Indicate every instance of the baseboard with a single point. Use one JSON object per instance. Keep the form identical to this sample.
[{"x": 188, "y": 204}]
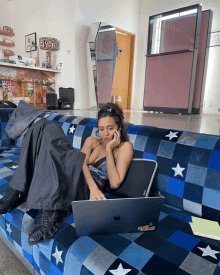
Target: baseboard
[
  {"x": 167, "y": 110},
  {"x": 21, "y": 259}
]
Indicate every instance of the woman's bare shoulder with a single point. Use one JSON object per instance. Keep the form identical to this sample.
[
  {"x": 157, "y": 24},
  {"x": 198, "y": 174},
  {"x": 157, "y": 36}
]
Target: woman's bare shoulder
[
  {"x": 93, "y": 141},
  {"x": 131, "y": 144},
  {"x": 127, "y": 144},
  {"x": 126, "y": 147}
]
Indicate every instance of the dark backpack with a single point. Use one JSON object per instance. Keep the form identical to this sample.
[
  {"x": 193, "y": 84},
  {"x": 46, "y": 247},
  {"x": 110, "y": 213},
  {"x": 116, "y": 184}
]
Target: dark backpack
[{"x": 7, "y": 104}]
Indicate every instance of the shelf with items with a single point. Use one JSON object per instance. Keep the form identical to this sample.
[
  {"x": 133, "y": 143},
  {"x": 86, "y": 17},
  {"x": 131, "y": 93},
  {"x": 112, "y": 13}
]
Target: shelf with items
[
  {"x": 7, "y": 44},
  {"x": 7, "y": 33},
  {"x": 28, "y": 84},
  {"x": 9, "y": 54},
  {"x": 28, "y": 67}
]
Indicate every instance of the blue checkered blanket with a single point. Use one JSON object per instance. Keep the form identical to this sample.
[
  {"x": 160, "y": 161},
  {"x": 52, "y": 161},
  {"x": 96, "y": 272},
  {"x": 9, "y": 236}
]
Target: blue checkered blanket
[{"x": 188, "y": 178}]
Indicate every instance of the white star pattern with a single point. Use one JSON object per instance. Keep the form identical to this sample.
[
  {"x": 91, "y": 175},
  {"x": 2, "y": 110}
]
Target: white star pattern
[
  {"x": 72, "y": 129},
  {"x": 178, "y": 170},
  {"x": 57, "y": 255},
  {"x": 120, "y": 271},
  {"x": 14, "y": 166},
  {"x": 8, "y": 228},
  {"x": 47, "y": 115},
  {"x": 209, "y": 252},
  {"x": 172, "y": 135}
]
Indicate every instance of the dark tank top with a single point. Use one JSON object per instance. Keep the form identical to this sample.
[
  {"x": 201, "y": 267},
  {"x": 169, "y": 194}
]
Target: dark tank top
[{"x": 98, "y": 171}]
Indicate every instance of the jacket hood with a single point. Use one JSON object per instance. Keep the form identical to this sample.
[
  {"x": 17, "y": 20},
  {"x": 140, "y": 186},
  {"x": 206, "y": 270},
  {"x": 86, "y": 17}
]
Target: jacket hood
[{"x": 21, "y": 118}]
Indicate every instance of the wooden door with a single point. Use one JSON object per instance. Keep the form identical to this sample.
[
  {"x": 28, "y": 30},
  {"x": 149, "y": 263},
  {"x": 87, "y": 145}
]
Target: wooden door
[{"x": 122, "y": 69}]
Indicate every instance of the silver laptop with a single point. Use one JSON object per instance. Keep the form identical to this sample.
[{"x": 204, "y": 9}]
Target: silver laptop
[{"x": 113, "y": 216}]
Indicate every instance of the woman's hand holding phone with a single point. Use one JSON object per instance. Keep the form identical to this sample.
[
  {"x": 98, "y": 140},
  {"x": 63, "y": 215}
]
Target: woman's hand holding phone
[{"x": 116, "y": 140}]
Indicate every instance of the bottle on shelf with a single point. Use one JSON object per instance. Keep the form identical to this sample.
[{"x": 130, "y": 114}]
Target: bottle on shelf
[{"x": 1, "y": 54}]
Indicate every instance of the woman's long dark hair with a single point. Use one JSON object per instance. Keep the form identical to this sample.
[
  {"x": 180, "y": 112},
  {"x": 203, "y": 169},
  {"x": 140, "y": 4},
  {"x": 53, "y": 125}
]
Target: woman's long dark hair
[{"x": 114, "y": 110}]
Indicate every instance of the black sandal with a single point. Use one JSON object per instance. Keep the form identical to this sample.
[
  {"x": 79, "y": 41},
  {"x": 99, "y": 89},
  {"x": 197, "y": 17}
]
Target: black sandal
[
  {"x": 47, "y": 224},
  {"x": 12, "y": 199}
]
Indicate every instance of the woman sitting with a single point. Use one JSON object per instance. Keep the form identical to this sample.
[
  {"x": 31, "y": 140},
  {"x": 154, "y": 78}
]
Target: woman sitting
[{"x": 105, "y": 162}]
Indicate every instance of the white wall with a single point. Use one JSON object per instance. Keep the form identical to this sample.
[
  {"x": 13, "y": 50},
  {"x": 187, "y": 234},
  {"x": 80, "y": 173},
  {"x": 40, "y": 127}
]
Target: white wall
[
  {"x": 55, "y": 18},
  {"x": 4, "y": 13},
  {"x": 152, "y": 7},
  {"x": 52, "y": 18},
  {"x": 69, "y": 21},
  {"x": 4, "y": 16},
  {"x": 122, "y": 14}
]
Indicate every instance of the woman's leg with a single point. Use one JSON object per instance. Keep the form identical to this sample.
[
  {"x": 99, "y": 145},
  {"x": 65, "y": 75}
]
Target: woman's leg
[
  {"x": 40, "y": 233},
  {"x": 19, "y": 184},
  {"x": 49, "y": 170},
  {"x": 49, "y": 167},
  {"x": 36, "y": 173},
  {"x": 57, "y": 168}
]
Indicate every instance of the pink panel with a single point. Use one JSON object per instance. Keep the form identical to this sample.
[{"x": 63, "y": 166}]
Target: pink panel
[
  {"x": 178, "y": 33},
  {"x": 201, "y": 58},
  {"x": 104, "y": 81},
  {"x": 167, "y": 82}
]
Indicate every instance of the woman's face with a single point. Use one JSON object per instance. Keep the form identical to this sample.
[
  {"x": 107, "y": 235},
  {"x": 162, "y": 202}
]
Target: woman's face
[{"x": 107, "y": 127}]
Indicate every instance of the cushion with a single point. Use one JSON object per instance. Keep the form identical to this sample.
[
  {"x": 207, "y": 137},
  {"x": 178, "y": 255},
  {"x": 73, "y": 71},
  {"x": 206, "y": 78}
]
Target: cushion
[
  {"x": 5, "y": 141},
  {"x": 138, "y": 180}
]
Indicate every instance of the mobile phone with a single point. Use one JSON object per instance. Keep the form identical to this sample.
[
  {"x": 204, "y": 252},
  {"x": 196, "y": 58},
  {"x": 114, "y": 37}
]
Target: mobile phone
[{"x": 119, "y": 129}]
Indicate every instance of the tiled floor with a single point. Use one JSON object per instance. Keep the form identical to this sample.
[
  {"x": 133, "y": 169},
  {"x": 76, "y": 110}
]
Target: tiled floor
[
  {"x": 202, "y": 123},
  {"x": 209, "y": 124},
  {"x": 9, "y": 264}
]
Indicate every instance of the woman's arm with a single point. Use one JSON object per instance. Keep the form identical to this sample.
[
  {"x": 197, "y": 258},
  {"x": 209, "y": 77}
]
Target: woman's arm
[
  {"x": 95, "y": 193},
  {"x": 91, "y": 183},
  {"x": 116, "y": 173},
  {"x": 87, "y": 150}
]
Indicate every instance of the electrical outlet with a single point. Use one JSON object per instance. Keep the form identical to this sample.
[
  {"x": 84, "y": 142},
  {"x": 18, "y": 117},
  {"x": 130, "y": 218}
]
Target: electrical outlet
[{"x": 61, "y": 64}]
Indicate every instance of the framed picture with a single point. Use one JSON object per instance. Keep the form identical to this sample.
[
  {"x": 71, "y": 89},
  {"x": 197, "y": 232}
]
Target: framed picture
[
  {"x": 30, "y": 42},
  {"x": 6, "y": 29}
]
